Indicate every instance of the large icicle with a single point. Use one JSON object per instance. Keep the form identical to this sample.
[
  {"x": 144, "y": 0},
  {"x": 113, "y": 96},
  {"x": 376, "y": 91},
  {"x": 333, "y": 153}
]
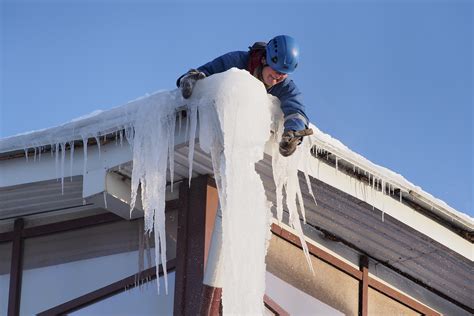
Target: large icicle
[
  {"x": 151, "y": 141},
  {"x": 192, "y": 117},
  {"x": 245, "y": 210},
  {"x": 226, "y": 115},
  {"x": 285, "y": 174}
]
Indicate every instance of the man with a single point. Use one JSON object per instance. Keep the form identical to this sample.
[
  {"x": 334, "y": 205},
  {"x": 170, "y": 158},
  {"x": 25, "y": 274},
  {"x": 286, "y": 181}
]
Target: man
[{"x": 270, "y": 63}]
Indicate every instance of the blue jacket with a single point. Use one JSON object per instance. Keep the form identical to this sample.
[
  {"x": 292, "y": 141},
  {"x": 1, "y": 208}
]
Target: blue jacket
[{"x": 289, "y": 95}]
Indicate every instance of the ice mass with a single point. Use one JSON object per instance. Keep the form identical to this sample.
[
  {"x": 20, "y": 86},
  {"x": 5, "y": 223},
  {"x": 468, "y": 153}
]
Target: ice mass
[{"x": 237, "y": 123}]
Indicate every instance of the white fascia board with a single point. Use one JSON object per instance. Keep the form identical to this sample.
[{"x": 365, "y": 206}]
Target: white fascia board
[
  {"x": 392, "y": 207},
  {"x": 438, "y": 206},
  {"x": 19, "y": 171}
]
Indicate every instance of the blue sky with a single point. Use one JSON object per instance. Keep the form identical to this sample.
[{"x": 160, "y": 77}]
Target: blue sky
[{"x": 390, "y": 79}]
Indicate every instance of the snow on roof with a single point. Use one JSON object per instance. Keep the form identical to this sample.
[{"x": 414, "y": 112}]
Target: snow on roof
[{"x": 115, "y": 120}]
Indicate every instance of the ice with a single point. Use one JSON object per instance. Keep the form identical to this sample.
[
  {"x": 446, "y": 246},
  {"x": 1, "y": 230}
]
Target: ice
[
  {"x": 192, "y": 114},
  {"x": 56, "y": 160},
  {"x": 104, "y": 194},
  {"x": 84, "y": 148},
  {"x": 222, "y": 117},
  {"x": 241, "y": 192},
  {"x": 150, "y": 141},
  {"x": 171, "y": 133},
  {"x": 71, "y": 158},
  {"x": 63, "y": 155},
  {"x": 285, "y": 174},
  {"x": 97, "y": 140}
]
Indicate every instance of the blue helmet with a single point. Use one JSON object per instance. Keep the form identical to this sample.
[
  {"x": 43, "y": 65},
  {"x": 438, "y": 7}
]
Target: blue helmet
[{"x": 283, "y": 54}]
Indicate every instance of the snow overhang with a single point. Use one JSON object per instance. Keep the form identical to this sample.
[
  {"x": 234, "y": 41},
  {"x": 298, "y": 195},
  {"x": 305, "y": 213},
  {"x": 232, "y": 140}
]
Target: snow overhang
[{"x": 106, "y": 128}]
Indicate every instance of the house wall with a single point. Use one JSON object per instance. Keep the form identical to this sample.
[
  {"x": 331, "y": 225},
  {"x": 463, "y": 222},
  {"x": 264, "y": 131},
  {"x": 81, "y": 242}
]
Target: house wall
[
  {"x": 60, "y": 266},
  {"x": 328, "y": 284},
  {"x": 380, "y": 304},
  {"x": 337, "y": 283}
]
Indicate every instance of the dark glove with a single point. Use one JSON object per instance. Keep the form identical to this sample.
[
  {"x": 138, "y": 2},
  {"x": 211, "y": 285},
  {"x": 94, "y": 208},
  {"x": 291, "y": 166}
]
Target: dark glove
[
  {"x": 291, "y": 139},
  {"x": 187, "y": 82}
]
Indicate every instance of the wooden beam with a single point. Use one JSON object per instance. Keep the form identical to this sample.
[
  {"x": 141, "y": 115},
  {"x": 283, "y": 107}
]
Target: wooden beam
[
  {"x": 107, "y": 291},
  {"x": 198, "y": 205},
  {"x": 69, "y": 225},
  {"x": 6, "y": 237},
  {"x": 16, "y": 270},
  {"x": 274, "y": 307},
  {"x": 364, "y": 286}
]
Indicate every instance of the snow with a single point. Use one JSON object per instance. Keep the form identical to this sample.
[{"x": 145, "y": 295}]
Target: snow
[
  {"x": 236, "y": 129},
  {"x": 235, "y": 138}
]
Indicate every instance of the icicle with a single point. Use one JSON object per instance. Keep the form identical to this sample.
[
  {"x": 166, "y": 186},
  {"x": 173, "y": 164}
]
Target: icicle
[
  {"x": 280, "y": 178},
  {"x": 141, "y": 251},
  {"x": 149, "y": 171},
  {"x": 26, "y": 154},
  {"x": 130, "y": 135},
  {"x": 171, "y": 131},
  {"x": 34, "y": 157},
  {"x": 105, "y": 198},
  {"x": 192, "y": 138},
  {"x": 121, "y": 138},
  {"x": 56, "y": 160},
  {"x": 116, "y": 138},
  {"x": 285, "y": 175},
  {"x": 310, "y": 188},
  {"x": 383, "y": 216},
  {"x": 400, "y": 195},
  {"x": 180, "y": 118},
  {"x": 374, "y": 194},
  {"x": 63, "y": 154},
  {"x": 71, "y": 159},
  {"x": 39, "y": 153},
  {"x": 105, "y": 138},
  {"x": 51, "y": 146},
  {"x": 337, "y": 166},
  {"x": 188, "y": 114},
  {"x": 98, "y": 144},
  {"x": 354, "y": 170},
  {"x": 84, "y": 145}
]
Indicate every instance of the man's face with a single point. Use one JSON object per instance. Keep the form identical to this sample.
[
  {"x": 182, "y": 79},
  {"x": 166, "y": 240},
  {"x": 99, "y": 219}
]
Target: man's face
[{"x": 272, "y": 77}]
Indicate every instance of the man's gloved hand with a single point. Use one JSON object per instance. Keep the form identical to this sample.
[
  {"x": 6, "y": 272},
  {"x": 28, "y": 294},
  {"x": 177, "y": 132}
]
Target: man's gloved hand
[
  {"x": 291, "y": 139},
  {"x": 187, "y": 82}
]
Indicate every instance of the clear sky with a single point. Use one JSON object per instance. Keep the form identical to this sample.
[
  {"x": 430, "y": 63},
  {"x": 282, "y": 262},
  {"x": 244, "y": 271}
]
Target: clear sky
[{"x": 392, "y": 80}]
